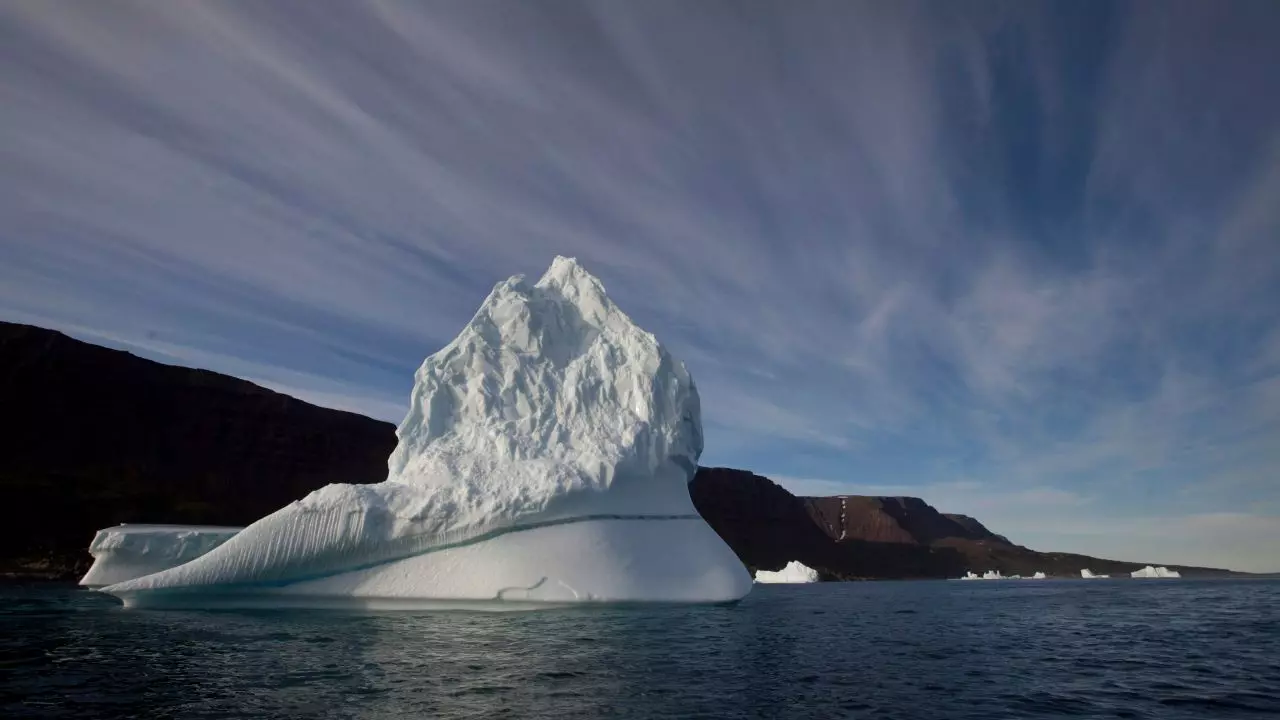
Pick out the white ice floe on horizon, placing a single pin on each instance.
(988, 575)
(1038, 576)
(545, 458)
(794, 572)
(1151, 571)
(1087, 574)
(125, 552)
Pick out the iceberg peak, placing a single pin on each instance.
(546, 386)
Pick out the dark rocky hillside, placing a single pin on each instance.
(94, 437)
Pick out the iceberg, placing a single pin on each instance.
(995, 575)
(1087, 574)
(988, 575)
(125, 552)
(794, 572)
(1155, 572)
(544, 459)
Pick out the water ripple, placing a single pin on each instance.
(1182, 649)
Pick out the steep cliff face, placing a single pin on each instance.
(94, 437)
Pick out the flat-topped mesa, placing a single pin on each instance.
(550, 409)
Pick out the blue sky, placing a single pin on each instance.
(1020, 259)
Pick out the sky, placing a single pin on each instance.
(1020, 259)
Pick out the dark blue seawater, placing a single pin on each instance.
(930, 650)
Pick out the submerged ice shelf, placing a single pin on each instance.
(545, 457)
(794, 572)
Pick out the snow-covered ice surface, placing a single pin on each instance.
(1155, 572)
(553, 439)
(794, 572)
(125, 552)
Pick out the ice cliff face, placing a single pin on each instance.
(550, 407)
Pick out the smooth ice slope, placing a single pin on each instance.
(794, 572)
(126, 552)
(1087, 574)
(551, 413)
(1155, 572)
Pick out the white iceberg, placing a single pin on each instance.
(1087, 574)
(1038, 576)
(1155, 572)
(545, 458)
(125, 552)
(988, 575)
(794, 572)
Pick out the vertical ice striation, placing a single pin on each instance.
(550, 408)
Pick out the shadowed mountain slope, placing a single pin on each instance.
(94, 437)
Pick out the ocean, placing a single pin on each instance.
(929, 650)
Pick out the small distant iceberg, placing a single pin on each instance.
(1155, 572)
(794, 572)
(995, 575)
(1087, 574)
(988, 575)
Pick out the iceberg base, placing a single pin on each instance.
(638, 560)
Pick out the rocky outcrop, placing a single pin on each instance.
(94, 437)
